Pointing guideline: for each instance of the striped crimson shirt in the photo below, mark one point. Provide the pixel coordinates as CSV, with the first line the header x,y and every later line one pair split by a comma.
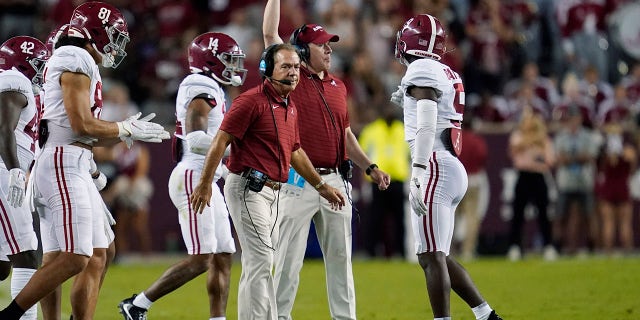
x,y
259,144
322,132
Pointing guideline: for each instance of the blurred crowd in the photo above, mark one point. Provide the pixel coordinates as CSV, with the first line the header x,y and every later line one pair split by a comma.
x,y
556,61
512,53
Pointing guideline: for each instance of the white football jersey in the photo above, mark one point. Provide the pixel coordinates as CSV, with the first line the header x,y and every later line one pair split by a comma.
x,y
68,59
192,86
448,85
27,128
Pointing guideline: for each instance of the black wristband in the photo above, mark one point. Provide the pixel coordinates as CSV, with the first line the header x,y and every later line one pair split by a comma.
x,y
417,165
370,168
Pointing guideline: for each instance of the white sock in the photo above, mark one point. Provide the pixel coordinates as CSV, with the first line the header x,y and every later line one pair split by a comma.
x,y
218,318
445,318
142,301
482,311
19,279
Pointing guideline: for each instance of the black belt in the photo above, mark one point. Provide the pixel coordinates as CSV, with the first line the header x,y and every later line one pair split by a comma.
x,y
323,171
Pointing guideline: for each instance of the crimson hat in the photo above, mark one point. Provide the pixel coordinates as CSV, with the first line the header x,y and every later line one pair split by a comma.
x,y
313,33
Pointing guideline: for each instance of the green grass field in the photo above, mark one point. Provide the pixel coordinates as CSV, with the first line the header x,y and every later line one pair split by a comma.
x,y
592,288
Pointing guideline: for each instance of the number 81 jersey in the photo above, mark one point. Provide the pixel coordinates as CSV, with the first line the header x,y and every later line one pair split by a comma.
x,y
26,130
429,73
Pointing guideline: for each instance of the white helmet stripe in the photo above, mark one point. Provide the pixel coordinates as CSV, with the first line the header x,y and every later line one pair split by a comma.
x,y
432,41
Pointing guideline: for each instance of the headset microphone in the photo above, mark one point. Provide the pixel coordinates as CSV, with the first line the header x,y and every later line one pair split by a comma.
x,y
283,81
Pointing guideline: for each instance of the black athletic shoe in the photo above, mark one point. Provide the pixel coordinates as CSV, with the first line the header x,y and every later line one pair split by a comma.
x,y
494,316
131,312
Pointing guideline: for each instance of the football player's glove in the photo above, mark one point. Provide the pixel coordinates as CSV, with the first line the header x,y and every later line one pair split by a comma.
x,y
99,179
17,185
398,97
417,190
136,128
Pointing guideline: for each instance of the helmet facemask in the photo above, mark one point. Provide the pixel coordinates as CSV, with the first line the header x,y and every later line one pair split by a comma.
x,y
401,47
38,65
114,51
234,72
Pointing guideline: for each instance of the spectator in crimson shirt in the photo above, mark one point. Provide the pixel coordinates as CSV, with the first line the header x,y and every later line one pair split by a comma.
x,y
262,129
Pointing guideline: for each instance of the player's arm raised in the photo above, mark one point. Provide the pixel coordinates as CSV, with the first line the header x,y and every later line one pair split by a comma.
x,y
270,23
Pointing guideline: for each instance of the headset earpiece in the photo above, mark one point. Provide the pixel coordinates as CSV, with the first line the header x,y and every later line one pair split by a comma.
x,y
303,48
266,62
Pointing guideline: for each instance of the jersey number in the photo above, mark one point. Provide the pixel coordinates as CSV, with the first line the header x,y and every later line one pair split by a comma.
x,y
458,100
31,129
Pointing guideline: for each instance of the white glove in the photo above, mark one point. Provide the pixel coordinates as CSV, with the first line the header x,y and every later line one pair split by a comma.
x,y
417,191
127,140
17,186
99,179
141,129
398,97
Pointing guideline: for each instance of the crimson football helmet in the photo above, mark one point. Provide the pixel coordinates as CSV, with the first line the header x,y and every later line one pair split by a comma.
x,y
422,36
217,55
55,35
27,55
104,25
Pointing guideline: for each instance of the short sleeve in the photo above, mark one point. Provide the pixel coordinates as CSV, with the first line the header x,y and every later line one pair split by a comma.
x,y
12,80
426,73
73,59
199,86
242,113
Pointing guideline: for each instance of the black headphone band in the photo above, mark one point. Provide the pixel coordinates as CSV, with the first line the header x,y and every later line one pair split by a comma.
x,y
303,48
296,34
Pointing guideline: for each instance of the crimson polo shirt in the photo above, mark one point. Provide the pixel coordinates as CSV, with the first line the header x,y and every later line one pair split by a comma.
x,y
259,144
320,137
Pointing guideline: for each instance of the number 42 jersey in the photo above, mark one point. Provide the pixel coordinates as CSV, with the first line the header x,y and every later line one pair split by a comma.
x,y
26,130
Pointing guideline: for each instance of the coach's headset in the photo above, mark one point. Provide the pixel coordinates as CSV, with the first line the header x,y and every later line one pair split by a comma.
x,y
303,47
267,63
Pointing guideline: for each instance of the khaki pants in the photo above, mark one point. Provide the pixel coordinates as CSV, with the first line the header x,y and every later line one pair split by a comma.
x,y
333,227
253,215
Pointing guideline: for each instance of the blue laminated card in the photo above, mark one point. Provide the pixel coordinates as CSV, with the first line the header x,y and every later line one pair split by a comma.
x,y
295,179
